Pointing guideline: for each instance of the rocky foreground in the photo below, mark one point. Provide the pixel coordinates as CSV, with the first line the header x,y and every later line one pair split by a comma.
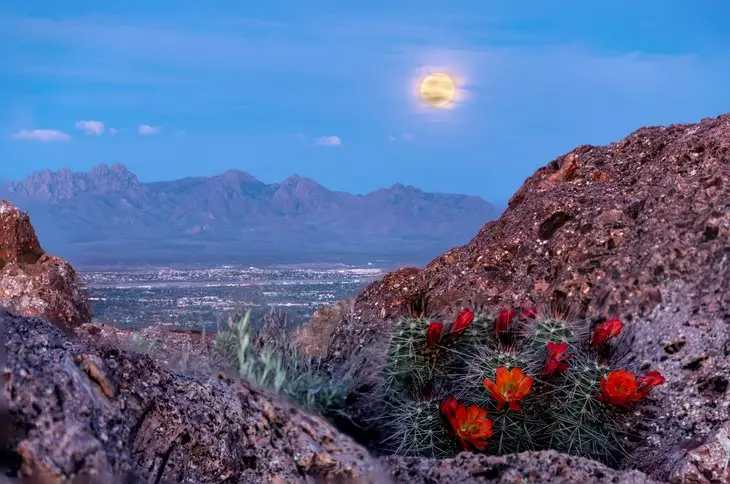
x,y
80,413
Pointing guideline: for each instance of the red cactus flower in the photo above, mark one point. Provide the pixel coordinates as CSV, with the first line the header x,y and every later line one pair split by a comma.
x,y
504,318
509,387
529,312
448,408
471,425
462,321
434,333
605,331
555,362
622,389
649,381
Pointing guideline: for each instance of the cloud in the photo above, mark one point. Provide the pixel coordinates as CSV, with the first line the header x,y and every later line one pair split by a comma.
x,y
147,130
328,141
402,136
91,127
112,131
42,135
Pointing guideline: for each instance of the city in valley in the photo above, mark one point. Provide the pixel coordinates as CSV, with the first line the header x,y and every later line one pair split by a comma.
x,y
204,298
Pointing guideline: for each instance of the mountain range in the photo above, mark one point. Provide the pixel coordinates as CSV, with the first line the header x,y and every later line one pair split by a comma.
x,y
107,216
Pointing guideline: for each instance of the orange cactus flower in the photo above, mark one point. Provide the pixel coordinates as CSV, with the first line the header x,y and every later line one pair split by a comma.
x,y
504,318
471,425
462,321
619,388
433,333
622,389
605,331
509,387
556,356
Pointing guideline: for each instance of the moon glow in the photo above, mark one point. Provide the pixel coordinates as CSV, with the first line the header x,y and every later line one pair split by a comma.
x,y
437,90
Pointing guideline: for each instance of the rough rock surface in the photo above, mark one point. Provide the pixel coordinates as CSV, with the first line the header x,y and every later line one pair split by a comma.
x,y
638,229
313,338
108,416
33,283
528,467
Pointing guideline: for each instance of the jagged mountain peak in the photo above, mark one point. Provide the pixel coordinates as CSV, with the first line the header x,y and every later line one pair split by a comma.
x,y
241,213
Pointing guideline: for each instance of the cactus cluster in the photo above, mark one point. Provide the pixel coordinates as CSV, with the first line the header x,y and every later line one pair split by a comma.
x,y
508,382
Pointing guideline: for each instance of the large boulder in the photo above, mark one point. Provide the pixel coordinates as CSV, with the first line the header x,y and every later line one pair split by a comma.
x,y
101,414
33,283
638,229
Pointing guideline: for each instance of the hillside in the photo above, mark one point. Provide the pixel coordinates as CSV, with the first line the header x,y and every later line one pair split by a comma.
x,y
88,216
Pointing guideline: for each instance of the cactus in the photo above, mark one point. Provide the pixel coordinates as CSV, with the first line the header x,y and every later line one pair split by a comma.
x,y
416,428
410,361
577,422
558,408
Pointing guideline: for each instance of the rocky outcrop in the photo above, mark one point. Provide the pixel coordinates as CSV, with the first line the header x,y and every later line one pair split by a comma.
x,y
639,229
313,338
33,283
104,415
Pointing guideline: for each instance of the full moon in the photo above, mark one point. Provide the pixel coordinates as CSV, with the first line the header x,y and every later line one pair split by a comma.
x,y
437,90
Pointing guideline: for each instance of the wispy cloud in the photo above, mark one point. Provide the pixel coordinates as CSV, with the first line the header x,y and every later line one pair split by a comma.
x,y
112,132
328,141
42,135
147,130
91,127
402,136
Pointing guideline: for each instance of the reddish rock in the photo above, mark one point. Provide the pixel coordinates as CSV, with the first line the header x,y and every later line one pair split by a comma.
x,y
33,283
79,413
639,230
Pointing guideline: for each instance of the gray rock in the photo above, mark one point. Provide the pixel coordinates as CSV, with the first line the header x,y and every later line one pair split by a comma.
x,y
527,467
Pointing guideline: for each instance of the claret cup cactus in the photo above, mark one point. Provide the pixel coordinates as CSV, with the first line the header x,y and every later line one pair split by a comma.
x,y
507,382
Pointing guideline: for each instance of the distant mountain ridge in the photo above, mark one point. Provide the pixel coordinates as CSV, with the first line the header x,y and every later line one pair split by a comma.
x,y
107,215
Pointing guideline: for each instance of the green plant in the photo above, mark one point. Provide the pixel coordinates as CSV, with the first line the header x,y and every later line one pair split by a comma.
x,y
280,368
141,343
544,380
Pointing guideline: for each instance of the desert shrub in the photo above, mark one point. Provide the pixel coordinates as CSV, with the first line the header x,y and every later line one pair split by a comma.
x,y
508,382
142,344
280,368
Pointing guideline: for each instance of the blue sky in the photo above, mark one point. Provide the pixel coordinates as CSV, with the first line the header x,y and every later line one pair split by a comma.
x,y
325,88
